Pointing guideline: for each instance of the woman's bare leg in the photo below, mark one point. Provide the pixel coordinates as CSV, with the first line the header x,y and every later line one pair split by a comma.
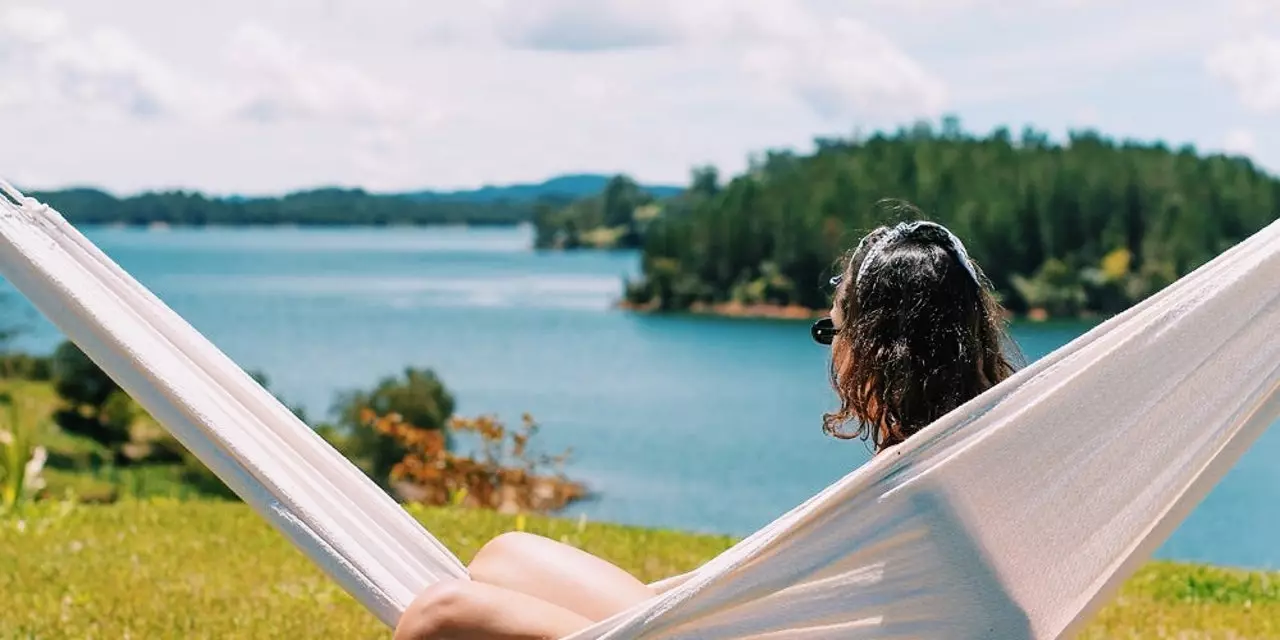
x,y
468,610
558,574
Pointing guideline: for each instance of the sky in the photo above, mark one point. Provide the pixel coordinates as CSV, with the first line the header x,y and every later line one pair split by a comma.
x,y
267,96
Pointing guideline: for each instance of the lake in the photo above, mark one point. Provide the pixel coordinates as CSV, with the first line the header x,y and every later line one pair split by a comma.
x,y
702,424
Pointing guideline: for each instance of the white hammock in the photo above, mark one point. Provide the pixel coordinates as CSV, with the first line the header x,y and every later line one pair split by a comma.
x,y
1015,516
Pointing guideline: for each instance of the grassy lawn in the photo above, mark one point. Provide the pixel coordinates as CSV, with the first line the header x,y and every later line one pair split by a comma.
x,y
172,566
214,569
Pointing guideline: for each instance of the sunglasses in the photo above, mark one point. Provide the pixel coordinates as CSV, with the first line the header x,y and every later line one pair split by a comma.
x,y
824,330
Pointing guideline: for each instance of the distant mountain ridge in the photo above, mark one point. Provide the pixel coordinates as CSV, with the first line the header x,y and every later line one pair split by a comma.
x,y
489,205
565,187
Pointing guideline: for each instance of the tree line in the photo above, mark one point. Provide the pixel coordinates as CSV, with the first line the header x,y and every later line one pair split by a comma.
x,y
317,207
1087,226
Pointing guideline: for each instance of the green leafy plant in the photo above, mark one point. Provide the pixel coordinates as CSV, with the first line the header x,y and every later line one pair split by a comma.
x,y
418,396
21,459
503,476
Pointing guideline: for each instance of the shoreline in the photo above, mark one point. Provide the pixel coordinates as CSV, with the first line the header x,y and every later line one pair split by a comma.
x,y
738,310
732,310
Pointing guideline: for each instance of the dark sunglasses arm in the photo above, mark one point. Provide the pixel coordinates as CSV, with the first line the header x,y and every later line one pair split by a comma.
x,y
824,331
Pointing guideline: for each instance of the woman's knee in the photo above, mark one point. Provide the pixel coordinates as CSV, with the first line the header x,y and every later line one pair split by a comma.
x,y
506,552
557,573
465,609
440,609
512,544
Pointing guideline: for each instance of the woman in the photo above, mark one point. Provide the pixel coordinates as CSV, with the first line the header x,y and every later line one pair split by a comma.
x,y
914,333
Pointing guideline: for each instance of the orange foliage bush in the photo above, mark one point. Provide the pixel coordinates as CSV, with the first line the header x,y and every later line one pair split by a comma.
x,y
504,476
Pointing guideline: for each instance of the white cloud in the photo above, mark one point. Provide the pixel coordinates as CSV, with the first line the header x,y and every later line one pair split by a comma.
x,y
277,81
841,68
96,73
100,73
584,25
1086,117
1255,9
245,97
1252,68
1240,141
848,70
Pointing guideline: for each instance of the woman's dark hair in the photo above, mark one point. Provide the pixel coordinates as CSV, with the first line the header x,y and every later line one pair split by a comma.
x,y
921,333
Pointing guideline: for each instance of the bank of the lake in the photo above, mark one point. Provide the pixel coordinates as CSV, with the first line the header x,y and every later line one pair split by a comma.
x,y
734,310
760,311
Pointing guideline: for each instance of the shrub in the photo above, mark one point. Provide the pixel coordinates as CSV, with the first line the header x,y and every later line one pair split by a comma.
x,y
419,398
95,406
1056,288
25,366
505,476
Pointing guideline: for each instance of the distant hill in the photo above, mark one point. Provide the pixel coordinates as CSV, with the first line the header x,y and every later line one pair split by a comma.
x,y
563,188
491,205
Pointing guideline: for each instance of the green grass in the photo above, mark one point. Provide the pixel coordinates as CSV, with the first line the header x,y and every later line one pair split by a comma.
x,y
209,569
109,484
167,569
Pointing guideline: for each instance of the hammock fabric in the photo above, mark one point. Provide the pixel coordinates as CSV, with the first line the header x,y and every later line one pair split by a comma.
x,y
1014,516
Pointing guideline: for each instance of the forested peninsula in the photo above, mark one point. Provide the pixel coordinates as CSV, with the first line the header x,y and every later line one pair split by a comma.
x,y
1085,227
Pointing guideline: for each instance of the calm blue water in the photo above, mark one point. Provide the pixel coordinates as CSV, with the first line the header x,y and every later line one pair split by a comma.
x,y
694,423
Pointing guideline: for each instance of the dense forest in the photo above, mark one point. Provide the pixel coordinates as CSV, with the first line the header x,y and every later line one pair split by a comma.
x,y
1087,226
